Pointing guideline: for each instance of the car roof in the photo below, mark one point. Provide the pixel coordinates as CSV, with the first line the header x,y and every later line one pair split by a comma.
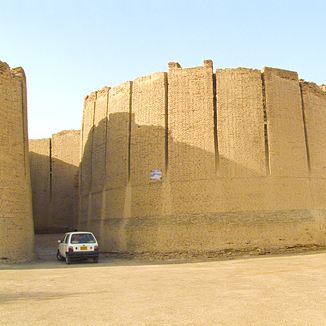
x,y
79,232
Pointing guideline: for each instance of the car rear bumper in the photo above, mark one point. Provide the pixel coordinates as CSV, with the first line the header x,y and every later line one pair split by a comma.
x,y
81,254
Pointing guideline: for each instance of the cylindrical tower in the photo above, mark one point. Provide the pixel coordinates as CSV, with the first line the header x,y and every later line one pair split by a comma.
x,y
16,219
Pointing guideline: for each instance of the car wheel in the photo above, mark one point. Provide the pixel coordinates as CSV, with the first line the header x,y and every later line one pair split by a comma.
x,y
59,257
68,260
95,260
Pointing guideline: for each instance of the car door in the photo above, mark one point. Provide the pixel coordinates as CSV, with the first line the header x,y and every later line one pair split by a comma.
x,y
63,246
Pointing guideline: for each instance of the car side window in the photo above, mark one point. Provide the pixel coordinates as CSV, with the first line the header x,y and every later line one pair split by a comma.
x,y
66,239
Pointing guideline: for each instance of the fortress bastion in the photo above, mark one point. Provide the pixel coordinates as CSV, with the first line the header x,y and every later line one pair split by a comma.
x,y
16,220
191,162
201,162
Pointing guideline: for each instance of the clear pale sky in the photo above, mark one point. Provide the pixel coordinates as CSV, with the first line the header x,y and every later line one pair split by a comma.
x,y
70,48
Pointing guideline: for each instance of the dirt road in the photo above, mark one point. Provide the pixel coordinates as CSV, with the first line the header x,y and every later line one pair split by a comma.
x,y
278,290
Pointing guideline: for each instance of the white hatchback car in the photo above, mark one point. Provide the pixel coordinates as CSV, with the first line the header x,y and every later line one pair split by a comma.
x,y
76,245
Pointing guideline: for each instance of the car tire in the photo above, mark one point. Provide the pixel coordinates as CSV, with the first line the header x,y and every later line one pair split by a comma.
x,y
95,260
59,257
68,260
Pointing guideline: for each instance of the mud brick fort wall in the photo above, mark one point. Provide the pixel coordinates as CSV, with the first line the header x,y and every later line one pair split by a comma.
x,y
16,219
240,156
186,162
54,174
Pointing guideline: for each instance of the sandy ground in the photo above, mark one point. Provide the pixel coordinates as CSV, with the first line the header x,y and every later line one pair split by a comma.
x,y
274,290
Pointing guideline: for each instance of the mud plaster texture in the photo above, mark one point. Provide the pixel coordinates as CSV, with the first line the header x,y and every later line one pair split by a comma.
x,y
237,157
201,162
54,175
16,219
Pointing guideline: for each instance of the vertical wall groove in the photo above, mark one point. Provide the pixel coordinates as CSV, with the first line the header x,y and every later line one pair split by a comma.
x,y
166,85
24,131
305,130
215,125
129,136
106,133
92,144
81,166
51,167
267,154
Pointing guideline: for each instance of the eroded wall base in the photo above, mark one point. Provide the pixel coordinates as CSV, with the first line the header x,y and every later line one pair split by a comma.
x,y
213,235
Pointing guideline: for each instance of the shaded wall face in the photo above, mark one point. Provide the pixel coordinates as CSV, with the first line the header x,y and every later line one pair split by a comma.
x,y
314,108
99,140
40,165
105,164
119,116
222,145
148,150
87,143
85,175
54,175
16,220
65,163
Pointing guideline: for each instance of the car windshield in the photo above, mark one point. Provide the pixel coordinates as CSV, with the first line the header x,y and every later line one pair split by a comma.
x,y
82,238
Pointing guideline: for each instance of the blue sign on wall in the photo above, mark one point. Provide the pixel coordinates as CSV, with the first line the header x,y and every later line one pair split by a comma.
x,y
156,174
